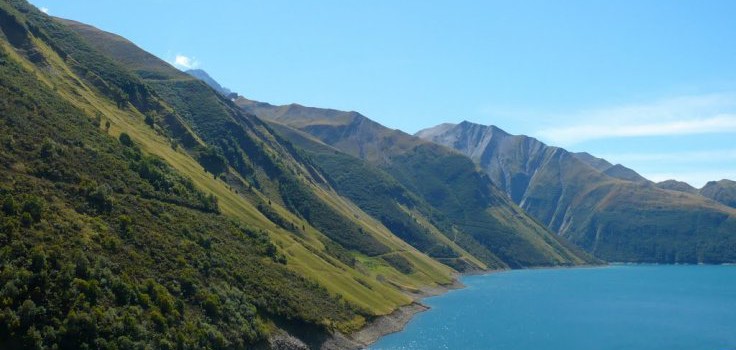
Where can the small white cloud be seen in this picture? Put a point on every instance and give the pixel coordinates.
(44, 10)
(185, 62)
(686, 115)
(566, 136)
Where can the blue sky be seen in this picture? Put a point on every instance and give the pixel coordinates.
(649, 84)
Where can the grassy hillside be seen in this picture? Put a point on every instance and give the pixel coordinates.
(608, 210)
(284, 188)
(103, 244)
(140, 208)
(458, 200)
(384, 198)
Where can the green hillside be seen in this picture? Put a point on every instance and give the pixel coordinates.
(284, 188)
(723, 191)
(384, 198)
(130, 221)
(104, 244)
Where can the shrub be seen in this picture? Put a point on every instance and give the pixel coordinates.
(125, 223)
(26, 220)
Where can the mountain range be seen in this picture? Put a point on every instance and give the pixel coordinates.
(144, 207)
(609, 210)
(474, 214)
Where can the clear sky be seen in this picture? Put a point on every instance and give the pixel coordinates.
(646, 83)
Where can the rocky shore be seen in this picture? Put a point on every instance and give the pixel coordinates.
(387, 324)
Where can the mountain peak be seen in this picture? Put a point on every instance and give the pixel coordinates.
(621, 172)
(723, 191)
(207, 79)
(675, 185)
(434, 130)
(484, 128)
(463, 127)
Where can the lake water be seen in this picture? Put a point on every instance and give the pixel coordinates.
(617, 307)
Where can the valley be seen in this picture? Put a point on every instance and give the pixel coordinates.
(145, 206)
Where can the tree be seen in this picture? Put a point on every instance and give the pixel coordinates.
(149, 120)
(9, 206)
(101, 198)
(97, 121)
(213, 161)
(34, 207)
(125, 222)
(125, 139)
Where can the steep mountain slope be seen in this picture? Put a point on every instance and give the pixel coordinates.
(607, 209)
(282, 185)
(142, 209)
(460, 202)
(384, 198)
(723, 191)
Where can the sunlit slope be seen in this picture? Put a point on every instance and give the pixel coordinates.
(110, 237)
(384, 198)
(372, 284)
(263, 157)
(464, 205)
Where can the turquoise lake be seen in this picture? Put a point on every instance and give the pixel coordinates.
(616, 307)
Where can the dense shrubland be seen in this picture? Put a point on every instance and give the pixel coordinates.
(103, 246)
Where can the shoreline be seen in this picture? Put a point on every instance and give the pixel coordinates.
(396, 320)
(399, 318)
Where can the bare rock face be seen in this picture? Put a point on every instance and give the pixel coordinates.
(284, 341)
(391, 323)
